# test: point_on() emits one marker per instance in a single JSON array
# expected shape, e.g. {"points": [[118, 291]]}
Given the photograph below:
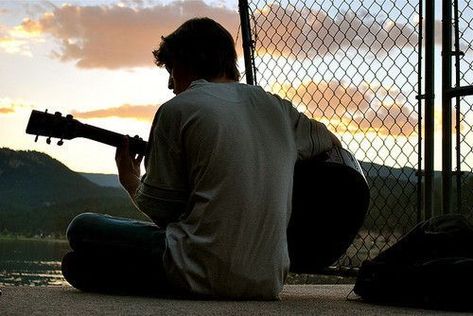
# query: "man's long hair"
{"points": [[204, 47]]}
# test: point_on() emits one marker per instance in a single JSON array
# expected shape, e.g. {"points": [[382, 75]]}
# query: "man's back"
{"points": [[235, 147]]}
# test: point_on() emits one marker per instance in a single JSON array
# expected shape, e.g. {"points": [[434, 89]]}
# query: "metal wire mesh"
{"points": [[464, 128], [354, 66]]}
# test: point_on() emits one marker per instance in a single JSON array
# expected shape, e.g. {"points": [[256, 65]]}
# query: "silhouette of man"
{"points": [[218, 184]]}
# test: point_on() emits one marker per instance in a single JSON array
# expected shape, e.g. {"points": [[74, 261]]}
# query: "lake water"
{"points": [[38, 263], [31, 262]]}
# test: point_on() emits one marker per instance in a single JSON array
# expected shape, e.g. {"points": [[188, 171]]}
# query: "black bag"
{"points": [[431, 267]]}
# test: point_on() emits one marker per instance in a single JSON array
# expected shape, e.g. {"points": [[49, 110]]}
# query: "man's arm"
{"points": [[312, 136], [335, 141], [160, 205]]}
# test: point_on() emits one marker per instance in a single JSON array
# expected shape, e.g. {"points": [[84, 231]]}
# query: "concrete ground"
{"points": [[295, 300]]}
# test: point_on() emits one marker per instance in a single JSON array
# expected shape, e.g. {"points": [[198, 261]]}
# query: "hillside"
{"points": [[104, 180], [40, 195], [393, 195]]}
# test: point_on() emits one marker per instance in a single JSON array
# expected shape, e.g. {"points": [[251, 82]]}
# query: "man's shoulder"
{"points": [[202, 97], [176, 105], [175, 102]]}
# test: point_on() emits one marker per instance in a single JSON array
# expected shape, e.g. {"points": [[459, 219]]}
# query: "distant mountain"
{"points": [[41, 195], [104, 180], [406, 173], [370, 170], [32, 179]]}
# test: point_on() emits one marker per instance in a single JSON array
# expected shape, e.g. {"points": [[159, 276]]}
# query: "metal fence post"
{"points": [[429, 107], [446, 105], [246, 40], [420, 97]]}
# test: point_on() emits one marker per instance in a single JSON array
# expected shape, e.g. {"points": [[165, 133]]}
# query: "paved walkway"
{"points": [[295, 300]]}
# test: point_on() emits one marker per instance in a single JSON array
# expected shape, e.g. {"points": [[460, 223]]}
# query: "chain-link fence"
{"points": [[463, 114], [354, 66]]}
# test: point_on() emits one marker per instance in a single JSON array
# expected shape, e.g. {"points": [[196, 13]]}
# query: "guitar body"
{"points": [[329, 204]]}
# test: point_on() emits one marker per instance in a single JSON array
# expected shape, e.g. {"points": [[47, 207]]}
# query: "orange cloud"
{"points": [[368, 108], [124, 35], [118, 36], [17, 40], [305, 33], [138, 112], [9, 106], [354, 109], [6, 110], [31, 26]]}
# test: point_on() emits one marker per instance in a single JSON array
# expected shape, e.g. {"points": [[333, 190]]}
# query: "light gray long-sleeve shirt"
{"points": [[220, 172]]}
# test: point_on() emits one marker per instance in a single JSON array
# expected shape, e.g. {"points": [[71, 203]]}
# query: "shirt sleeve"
{"points": [[163, 191], [312, 137]]}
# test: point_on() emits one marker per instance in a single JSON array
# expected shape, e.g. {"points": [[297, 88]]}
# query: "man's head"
{"points": [[199, 49]]}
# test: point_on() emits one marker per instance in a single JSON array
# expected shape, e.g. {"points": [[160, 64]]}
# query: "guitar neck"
{"points": [[104, 136]]}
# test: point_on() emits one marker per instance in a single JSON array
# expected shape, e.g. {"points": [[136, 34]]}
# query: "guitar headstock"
{"points": [[52, 125]]}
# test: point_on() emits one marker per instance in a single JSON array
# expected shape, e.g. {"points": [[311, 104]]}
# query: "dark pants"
{"points": [[115, 255]]}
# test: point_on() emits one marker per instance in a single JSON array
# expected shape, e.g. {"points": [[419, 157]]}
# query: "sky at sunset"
{"points": [[93, 59]]}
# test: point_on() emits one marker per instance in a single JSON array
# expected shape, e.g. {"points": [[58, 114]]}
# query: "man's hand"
{"points": [[128, 167]]}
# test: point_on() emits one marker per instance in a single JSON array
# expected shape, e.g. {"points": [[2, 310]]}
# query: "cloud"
{"points": [[6, 110], [10, 106], [367, 108], [7, 43], [119, 36], [138, 112], [354, 109], [123, 35], [305, 33], [16, 40]]}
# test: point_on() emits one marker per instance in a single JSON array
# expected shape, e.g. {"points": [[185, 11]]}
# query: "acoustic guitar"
{"points": [[330, 192]]}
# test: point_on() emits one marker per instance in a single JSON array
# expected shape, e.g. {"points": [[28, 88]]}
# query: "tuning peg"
{"points": [[48, 140], [36, 138], [60, 142], [57, 113], [46, 111], [69, 117]]}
